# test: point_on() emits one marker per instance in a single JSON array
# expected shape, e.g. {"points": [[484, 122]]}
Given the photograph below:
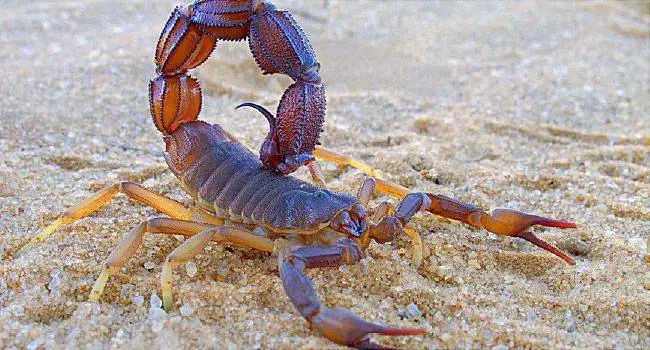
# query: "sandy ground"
{"points": [[543, 107]]}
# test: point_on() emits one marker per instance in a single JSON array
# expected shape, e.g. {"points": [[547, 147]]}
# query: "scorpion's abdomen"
{"points": [[220, 171], [256, 183]]}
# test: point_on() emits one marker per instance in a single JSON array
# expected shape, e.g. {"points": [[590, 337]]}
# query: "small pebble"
{"points": [[412, 311], [570, 324], [531, 316], [155, 301], [639, 244], [157, 314], [444, 271], [222, 271], [577, 247], [17, 310], [138, 300], [156, 326], [186, 310], [33, 345], [149, 265], [119, 334], [54, 283], [190, 268], [125, 291]]}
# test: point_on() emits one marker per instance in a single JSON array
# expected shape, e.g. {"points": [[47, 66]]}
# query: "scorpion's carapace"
{"points": [[278, 45]]}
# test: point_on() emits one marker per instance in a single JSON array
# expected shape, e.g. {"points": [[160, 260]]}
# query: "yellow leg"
{"points": [[317, 174], [418, 249], [383, 209], [382, 186], [392, 189], [386, 225], [130, 243], [342, 160], [501, 221], [365, 191], [136, 192], [178, 256], [196, 244]]}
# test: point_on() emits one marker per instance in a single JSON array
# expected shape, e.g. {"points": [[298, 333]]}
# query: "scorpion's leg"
{"points": [[384, 208], [382, 186], [134, 191], [336, 324], [195, 245], [130, 243], [386, 224], [343, 160], [501, 221], [316, 174], [365, 191]]}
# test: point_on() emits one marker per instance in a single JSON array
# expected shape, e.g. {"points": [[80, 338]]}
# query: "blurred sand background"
{"points": [[543, 107]]}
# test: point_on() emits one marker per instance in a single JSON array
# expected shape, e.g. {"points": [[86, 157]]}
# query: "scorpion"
{"points": [[235, 192]]}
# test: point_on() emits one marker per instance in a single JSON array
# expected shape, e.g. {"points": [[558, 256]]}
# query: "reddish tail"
{"points": [[278, 45]]}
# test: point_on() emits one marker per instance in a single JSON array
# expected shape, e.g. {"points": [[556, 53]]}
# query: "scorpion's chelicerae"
{"points": [[235, 192]]}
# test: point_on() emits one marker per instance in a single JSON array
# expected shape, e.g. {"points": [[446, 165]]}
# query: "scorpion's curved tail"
{"points": [[278, 45]]}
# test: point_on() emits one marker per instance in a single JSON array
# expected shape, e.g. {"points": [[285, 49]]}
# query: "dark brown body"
{"points": [[224, 177]]}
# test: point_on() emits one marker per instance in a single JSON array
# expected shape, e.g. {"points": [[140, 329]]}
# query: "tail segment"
{"points": [[174, 100], [278, 45], [174, 96]]}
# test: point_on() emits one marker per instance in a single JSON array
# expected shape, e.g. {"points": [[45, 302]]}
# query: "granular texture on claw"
{"points": [[300, 117]]}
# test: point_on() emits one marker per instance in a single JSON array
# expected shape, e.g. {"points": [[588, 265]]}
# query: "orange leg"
{"points": [[134, 191], [316, 174], [201, 235], [384, 226], [130, 243], [342, 160]]}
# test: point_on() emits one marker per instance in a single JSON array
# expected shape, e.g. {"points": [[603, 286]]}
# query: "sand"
{"points": [[542, 107]]}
